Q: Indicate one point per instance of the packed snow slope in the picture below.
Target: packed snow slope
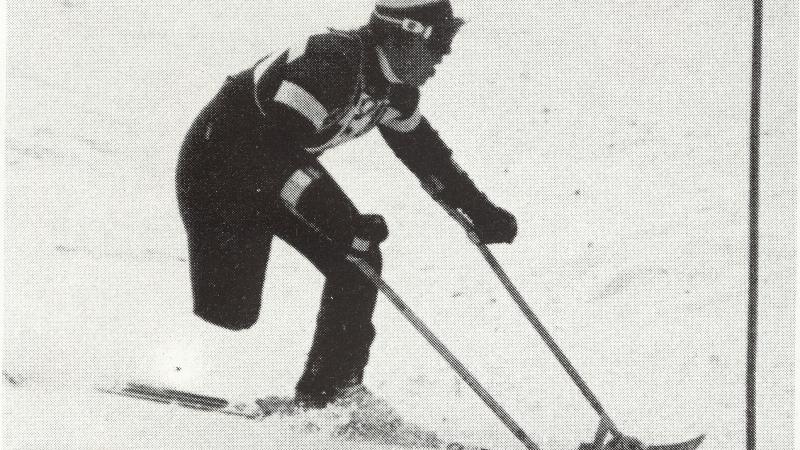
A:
(617, 133)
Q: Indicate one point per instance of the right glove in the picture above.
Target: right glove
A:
(369, 230)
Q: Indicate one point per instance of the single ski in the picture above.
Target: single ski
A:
(258, 409)
(186, 399)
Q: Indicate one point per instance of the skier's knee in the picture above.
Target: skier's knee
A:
(314, 196)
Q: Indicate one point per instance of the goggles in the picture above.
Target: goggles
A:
(438, 39)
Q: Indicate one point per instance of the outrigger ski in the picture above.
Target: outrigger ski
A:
(254, 410)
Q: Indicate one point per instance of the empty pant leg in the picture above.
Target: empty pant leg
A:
(227, 265)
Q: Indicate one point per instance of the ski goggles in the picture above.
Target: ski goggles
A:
(438, 39)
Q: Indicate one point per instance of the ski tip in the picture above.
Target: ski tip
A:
(633, 444)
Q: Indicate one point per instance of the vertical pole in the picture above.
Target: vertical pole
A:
(755, 93)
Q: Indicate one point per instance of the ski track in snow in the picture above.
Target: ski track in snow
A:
(628, 177)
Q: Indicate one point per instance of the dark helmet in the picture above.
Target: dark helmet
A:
(431, 19)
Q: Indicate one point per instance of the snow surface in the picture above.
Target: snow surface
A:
(617, 134)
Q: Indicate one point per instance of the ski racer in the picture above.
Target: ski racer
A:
(248, 170)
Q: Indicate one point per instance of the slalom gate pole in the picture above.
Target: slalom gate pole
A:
(752, 310)
(606, 422)
(369, 272)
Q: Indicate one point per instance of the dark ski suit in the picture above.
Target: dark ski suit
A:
(248, 171)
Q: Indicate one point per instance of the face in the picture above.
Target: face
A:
(416, 63)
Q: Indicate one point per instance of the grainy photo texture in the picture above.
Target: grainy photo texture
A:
(390, 224)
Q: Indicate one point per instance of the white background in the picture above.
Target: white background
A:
(617, 133)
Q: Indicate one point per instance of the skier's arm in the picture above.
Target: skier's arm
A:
(422, 150)
(430, 159)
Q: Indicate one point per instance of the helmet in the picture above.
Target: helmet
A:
(432, 20)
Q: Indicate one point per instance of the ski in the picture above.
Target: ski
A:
(258, 409)
(167, 395)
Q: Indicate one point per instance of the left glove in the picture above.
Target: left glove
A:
(452, 187)
(492, 224)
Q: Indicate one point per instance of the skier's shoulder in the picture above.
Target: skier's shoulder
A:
(329, 67)
(334, 48)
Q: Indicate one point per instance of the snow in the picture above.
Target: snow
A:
(617, 134)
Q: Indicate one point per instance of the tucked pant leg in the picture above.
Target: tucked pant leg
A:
(222, 208)
(227, 265)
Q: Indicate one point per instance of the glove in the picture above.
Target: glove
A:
(492, 224)
(453, 188)
(369, 230)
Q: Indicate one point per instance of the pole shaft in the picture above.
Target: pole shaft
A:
(462, 371)
(531, 316)
(548, 339)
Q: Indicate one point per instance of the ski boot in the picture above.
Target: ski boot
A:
(347, 389)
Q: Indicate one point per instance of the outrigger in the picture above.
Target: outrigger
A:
(608, 436)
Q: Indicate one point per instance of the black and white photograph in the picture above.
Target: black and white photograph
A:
(399, 224)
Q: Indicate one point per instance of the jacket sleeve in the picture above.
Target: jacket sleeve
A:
(297, 89)
(415, 142)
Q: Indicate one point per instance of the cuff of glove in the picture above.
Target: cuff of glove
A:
(464, 196)
(493, 225)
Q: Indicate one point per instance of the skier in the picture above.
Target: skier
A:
(248, 170)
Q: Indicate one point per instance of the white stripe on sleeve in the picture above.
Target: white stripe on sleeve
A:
(302, 101)
(297, 184)
(404, 125)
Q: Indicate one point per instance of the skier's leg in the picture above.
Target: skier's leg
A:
(222, 212)
(343, 336)
(330, 228)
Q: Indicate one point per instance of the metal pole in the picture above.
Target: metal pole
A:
(462, 371)
(548, 339)
(537, 324)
